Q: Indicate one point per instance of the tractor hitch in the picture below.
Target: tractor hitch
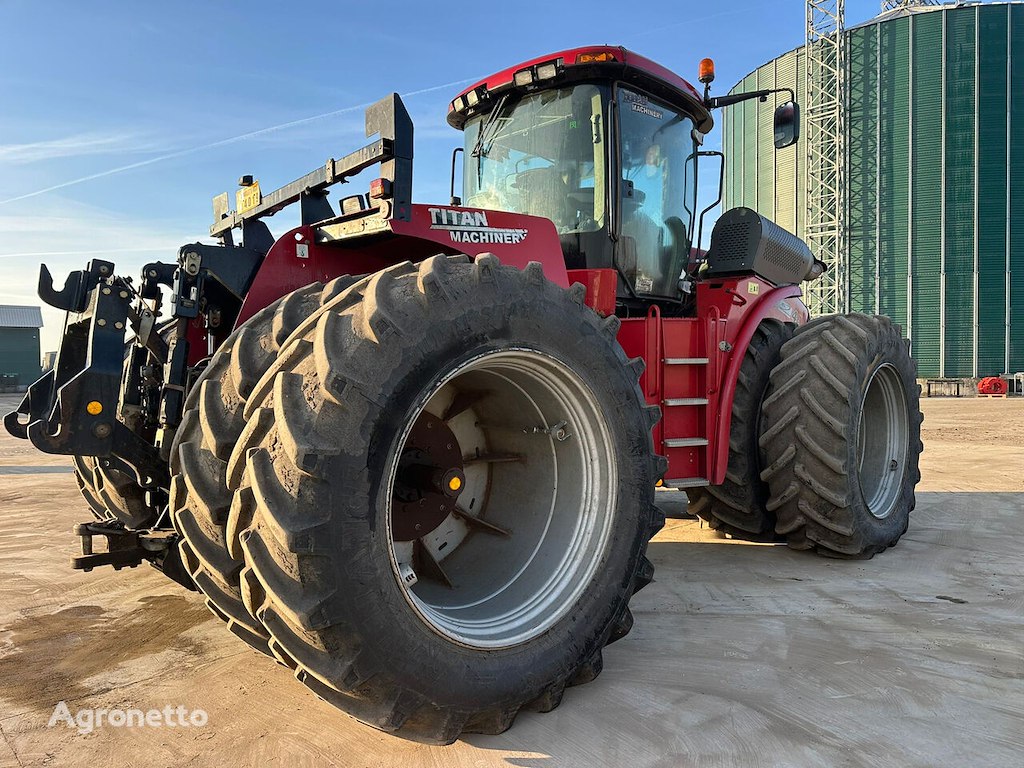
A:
(129, 549)
(124, 549)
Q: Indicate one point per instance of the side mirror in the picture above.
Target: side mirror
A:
(787, 124)
(453, 198)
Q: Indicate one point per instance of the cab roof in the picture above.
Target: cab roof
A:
(588, 62)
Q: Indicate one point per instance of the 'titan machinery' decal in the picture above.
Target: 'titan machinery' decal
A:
(639, 103)
(472, 227)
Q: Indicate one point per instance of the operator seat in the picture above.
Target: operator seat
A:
(544, 193)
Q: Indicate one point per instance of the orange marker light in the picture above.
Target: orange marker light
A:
(590, 58)
(95, 408)
(455, 483)
(706, 71)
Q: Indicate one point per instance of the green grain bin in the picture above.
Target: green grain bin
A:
(935, 175)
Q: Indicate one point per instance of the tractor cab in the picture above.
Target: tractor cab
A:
(602, 142)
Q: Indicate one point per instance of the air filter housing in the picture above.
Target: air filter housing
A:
(745, 242)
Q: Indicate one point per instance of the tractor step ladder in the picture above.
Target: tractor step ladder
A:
(692, 398)
(684, 442)
(691, 482)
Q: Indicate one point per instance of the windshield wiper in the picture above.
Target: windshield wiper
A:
(487, 130)
(485, 138)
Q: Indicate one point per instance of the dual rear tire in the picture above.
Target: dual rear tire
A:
(825, 439)
(841, 436)
(439, 502)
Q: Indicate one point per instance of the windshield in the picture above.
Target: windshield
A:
(542, 155)
(659, 192)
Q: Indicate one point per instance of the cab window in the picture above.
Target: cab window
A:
(658, 192)
(543, 155)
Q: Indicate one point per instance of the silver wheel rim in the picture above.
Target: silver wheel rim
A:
(540, 484)
(882, 437)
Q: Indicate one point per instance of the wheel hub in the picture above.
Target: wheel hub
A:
(882, 440)
(430, 478)
(532, 468)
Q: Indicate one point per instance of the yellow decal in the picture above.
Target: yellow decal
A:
(248, 198)
(753, 288)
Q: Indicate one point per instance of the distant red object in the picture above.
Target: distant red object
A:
(992, 385)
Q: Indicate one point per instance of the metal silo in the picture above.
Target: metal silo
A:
(935, 173)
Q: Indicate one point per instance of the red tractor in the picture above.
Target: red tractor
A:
(410, 451)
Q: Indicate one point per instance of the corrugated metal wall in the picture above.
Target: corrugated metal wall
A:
(926, 200)
(936, 174)
(19, 354)
(893, 235)
(1015, 204)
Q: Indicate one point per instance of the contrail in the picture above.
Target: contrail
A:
(40, 254)
(221, 143)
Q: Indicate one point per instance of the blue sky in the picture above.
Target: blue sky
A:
(192, 95)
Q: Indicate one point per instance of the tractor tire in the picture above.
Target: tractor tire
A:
(451, 369)
(841, 436)
(112, 494)
(738, 506)
(211, 424)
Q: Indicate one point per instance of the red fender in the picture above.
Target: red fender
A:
(742, 303)
(356, 246)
